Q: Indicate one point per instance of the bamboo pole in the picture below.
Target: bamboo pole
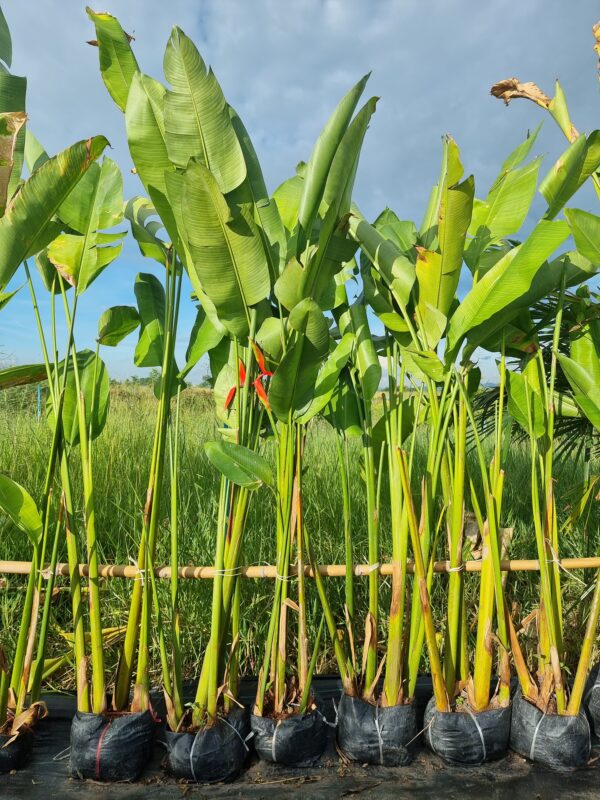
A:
(270, 571)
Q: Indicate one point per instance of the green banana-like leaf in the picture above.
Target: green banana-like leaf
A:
(293, 383)
(344, 414)
(395, 269)
(402, 233)
(204, 337)
(438, 277)
(525, 404)
(585, 228)
(11, 123)
(5, 41)
(12, 100)
(585, 347)
(355, 320)
(150, 296)
(287, 198)
(504, 210)
(35, 155)
(22, 375)
(328, 378)
(118, 64)
(451, 172)
(319, 164)
(95, 388)
(95, 203)
(116, 323)
(26, 228)
(145, 126)
(576, 269)
(342, 173)
(254, 190)
(270, 338)
(228, 260)
(18, 505)
(573, 168)
(423, 364)
(510, 278)
(315, 278)
(197, 122)
(141, 213)
(585, 388)
(239, 464)
(518, 155)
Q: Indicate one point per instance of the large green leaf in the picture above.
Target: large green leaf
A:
(573, 168)
(503, 211)
(22, 375)
(525, 405)
(451, 172)
(12, 99)
(35, 155)
(293, 384)
(95, 387)
(438, 274)
(585, 228)
(327, 379)
(11, 123)
(321, 159)
(345, 415)
(287, 197)
(228, 258)
(197, 123)
(585, 347)
(116, 323)
(576, 269)
(25, 228)
(94, 204)
(342, 173)
(518, 155)
(438, 277)
(118, 64)
(396, 270)
(20, 508)
(203, 338)
(145, 125)
(239, 464)
(5, 41)
(423, 364)
(402, 233)
(355, 320)
(150, 296)
(145, 228)
(510, 278)
(254, 190)
(585, 388)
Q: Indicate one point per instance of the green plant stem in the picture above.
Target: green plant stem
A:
(439, 688)
(587, 648)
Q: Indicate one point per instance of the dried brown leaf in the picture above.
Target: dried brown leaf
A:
(512, 88)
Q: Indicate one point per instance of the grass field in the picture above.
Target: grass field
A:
(121, 458)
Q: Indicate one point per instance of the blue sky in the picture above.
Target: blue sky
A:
(284, 66)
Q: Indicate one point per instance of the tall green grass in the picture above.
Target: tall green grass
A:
(122, 456)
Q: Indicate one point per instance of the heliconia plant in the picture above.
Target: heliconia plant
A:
(410, 280)
(35, 211)
(536, 405)
(305, 310)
